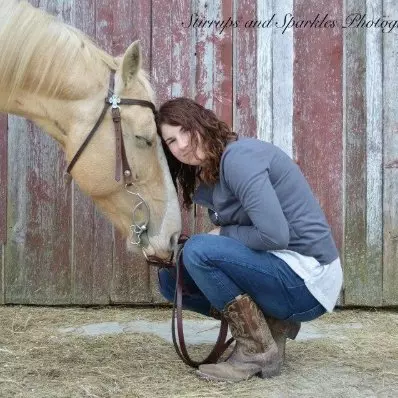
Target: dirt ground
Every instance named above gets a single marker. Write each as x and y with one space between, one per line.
344 354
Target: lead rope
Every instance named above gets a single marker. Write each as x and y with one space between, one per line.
178 334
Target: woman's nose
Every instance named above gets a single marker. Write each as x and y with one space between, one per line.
183 143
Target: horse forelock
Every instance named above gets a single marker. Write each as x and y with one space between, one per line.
32 40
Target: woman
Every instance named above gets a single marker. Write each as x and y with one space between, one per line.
271 262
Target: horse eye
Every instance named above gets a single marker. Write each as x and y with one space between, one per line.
147 141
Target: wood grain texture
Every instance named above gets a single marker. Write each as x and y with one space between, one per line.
37 252
92 233
362 278
3 177
275 76
2 269
130 274
265 70
390 121
205 72
245 61
3 198
282 81
318 108
374 155
173 66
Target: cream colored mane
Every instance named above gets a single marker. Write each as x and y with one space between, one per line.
42 43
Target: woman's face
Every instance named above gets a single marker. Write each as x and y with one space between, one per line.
180 145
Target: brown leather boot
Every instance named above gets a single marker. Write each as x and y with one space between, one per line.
255 352
280 331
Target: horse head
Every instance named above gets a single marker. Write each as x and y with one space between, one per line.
54 75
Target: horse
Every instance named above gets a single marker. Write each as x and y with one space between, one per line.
55 76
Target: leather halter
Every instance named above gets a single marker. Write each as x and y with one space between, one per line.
179 345
123 167
122 164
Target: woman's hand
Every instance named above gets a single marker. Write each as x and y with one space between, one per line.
215 231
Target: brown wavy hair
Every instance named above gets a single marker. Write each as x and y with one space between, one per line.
214 133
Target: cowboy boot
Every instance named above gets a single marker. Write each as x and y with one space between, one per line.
255 350
280 331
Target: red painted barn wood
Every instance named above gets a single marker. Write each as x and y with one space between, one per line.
318 107
92 234
38 255
172 72
62 250
214 73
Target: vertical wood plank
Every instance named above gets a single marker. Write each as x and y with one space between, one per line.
318 111
92 233
223 66
374 154
162 48
3 198
275 76
245 58
182 78
3 177
214 73
390 203
162 68
130 281
2 269
355 275
38 254
265 86
205 79
39 241
282 81
362 274
173 66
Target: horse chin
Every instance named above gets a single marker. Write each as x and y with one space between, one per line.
146 248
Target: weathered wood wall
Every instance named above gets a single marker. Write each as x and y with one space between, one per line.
388 158
326 96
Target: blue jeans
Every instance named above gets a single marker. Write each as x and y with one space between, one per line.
218 268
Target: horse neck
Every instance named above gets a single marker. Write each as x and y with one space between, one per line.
57 115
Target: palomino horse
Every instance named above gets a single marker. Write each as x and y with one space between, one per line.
53 75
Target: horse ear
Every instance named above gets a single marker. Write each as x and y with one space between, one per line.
132 61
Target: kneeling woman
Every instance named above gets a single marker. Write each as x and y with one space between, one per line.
271 262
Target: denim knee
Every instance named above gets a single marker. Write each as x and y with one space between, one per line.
194 249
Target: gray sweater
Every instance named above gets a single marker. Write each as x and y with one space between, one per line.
263 200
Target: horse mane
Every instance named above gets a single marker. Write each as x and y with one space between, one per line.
37 51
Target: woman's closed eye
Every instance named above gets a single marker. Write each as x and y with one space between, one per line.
170 141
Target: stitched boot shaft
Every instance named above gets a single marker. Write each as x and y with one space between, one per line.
280 331
255 350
